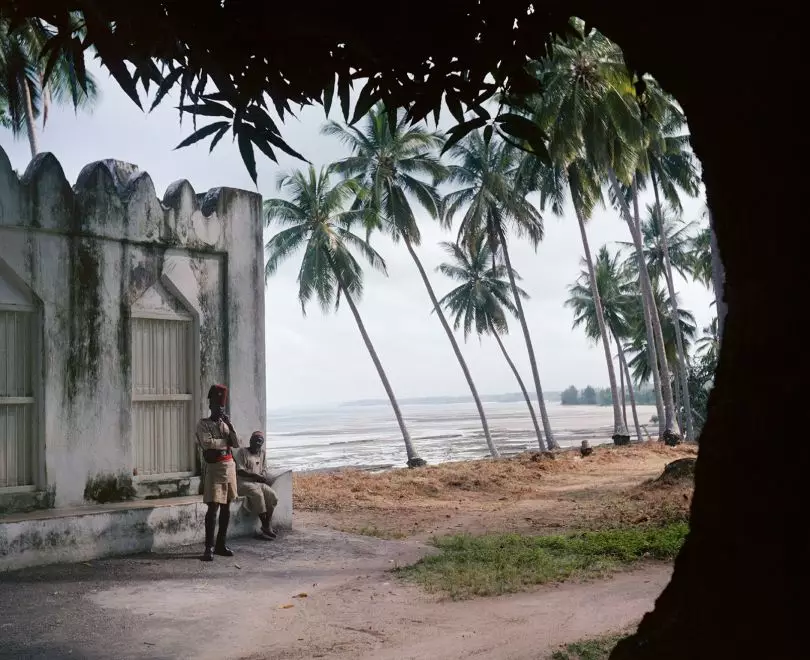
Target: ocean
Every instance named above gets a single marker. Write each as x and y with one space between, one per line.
367 436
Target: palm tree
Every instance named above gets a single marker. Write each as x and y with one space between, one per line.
316 221
494 201
701 257
709 343
25 94
389 161
615 288
672 168
589 107
639 364
482 300
580 179
680 244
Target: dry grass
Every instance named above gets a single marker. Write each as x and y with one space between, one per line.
530 493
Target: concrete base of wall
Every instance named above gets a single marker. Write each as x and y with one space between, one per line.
84 533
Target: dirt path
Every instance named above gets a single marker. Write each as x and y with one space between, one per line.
173 606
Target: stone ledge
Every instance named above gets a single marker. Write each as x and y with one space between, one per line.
89 532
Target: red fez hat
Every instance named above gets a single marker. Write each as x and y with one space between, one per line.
218 394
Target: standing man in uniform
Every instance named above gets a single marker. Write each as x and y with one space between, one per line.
253 483
216 438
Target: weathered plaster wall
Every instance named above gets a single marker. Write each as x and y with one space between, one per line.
86 254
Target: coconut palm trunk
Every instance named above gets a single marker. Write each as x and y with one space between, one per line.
522 385
620 434
664 413
413 459
30 122
655 319
683 373
493 450
550 441
624 398
631 393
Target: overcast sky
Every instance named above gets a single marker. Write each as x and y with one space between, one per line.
321 359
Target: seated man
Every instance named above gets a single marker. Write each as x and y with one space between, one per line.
253 483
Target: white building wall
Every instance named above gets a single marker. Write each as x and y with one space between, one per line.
85 255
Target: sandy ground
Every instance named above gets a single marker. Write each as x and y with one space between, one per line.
322 593
532 493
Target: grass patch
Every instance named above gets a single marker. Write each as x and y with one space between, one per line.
376 532
469 566
588 649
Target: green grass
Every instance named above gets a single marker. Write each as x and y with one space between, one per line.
588 649
374 531
468 566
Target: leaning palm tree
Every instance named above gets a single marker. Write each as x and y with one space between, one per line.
493 202
639 363
26 94
615 288
578 178
482 300
589 108
317 223
679 241
671 164
391 163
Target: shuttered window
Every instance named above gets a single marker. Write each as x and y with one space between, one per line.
17 401
162 395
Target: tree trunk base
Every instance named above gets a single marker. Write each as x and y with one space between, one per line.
416 462
671 439
620 439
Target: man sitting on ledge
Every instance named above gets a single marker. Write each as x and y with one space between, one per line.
253 483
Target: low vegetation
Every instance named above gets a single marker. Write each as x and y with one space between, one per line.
488 565
598 648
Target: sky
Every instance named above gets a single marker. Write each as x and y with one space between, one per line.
320 359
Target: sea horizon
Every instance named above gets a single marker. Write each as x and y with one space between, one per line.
367 436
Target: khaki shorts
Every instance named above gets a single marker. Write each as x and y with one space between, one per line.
219 484
260 497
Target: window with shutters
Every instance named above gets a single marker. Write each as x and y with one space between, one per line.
18 449
162 390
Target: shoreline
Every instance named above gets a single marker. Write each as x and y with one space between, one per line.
369 438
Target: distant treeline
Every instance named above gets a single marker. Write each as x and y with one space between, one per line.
590 396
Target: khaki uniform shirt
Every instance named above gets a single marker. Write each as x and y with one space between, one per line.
253 463
214 435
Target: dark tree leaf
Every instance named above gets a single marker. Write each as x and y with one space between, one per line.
454 105
344 87
219 135
488 133
460 130
207 109
246 149
328 95
259 140
276 140
526 130
77 63
167 83
119 71
481 111
55 49
369 95
205 131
